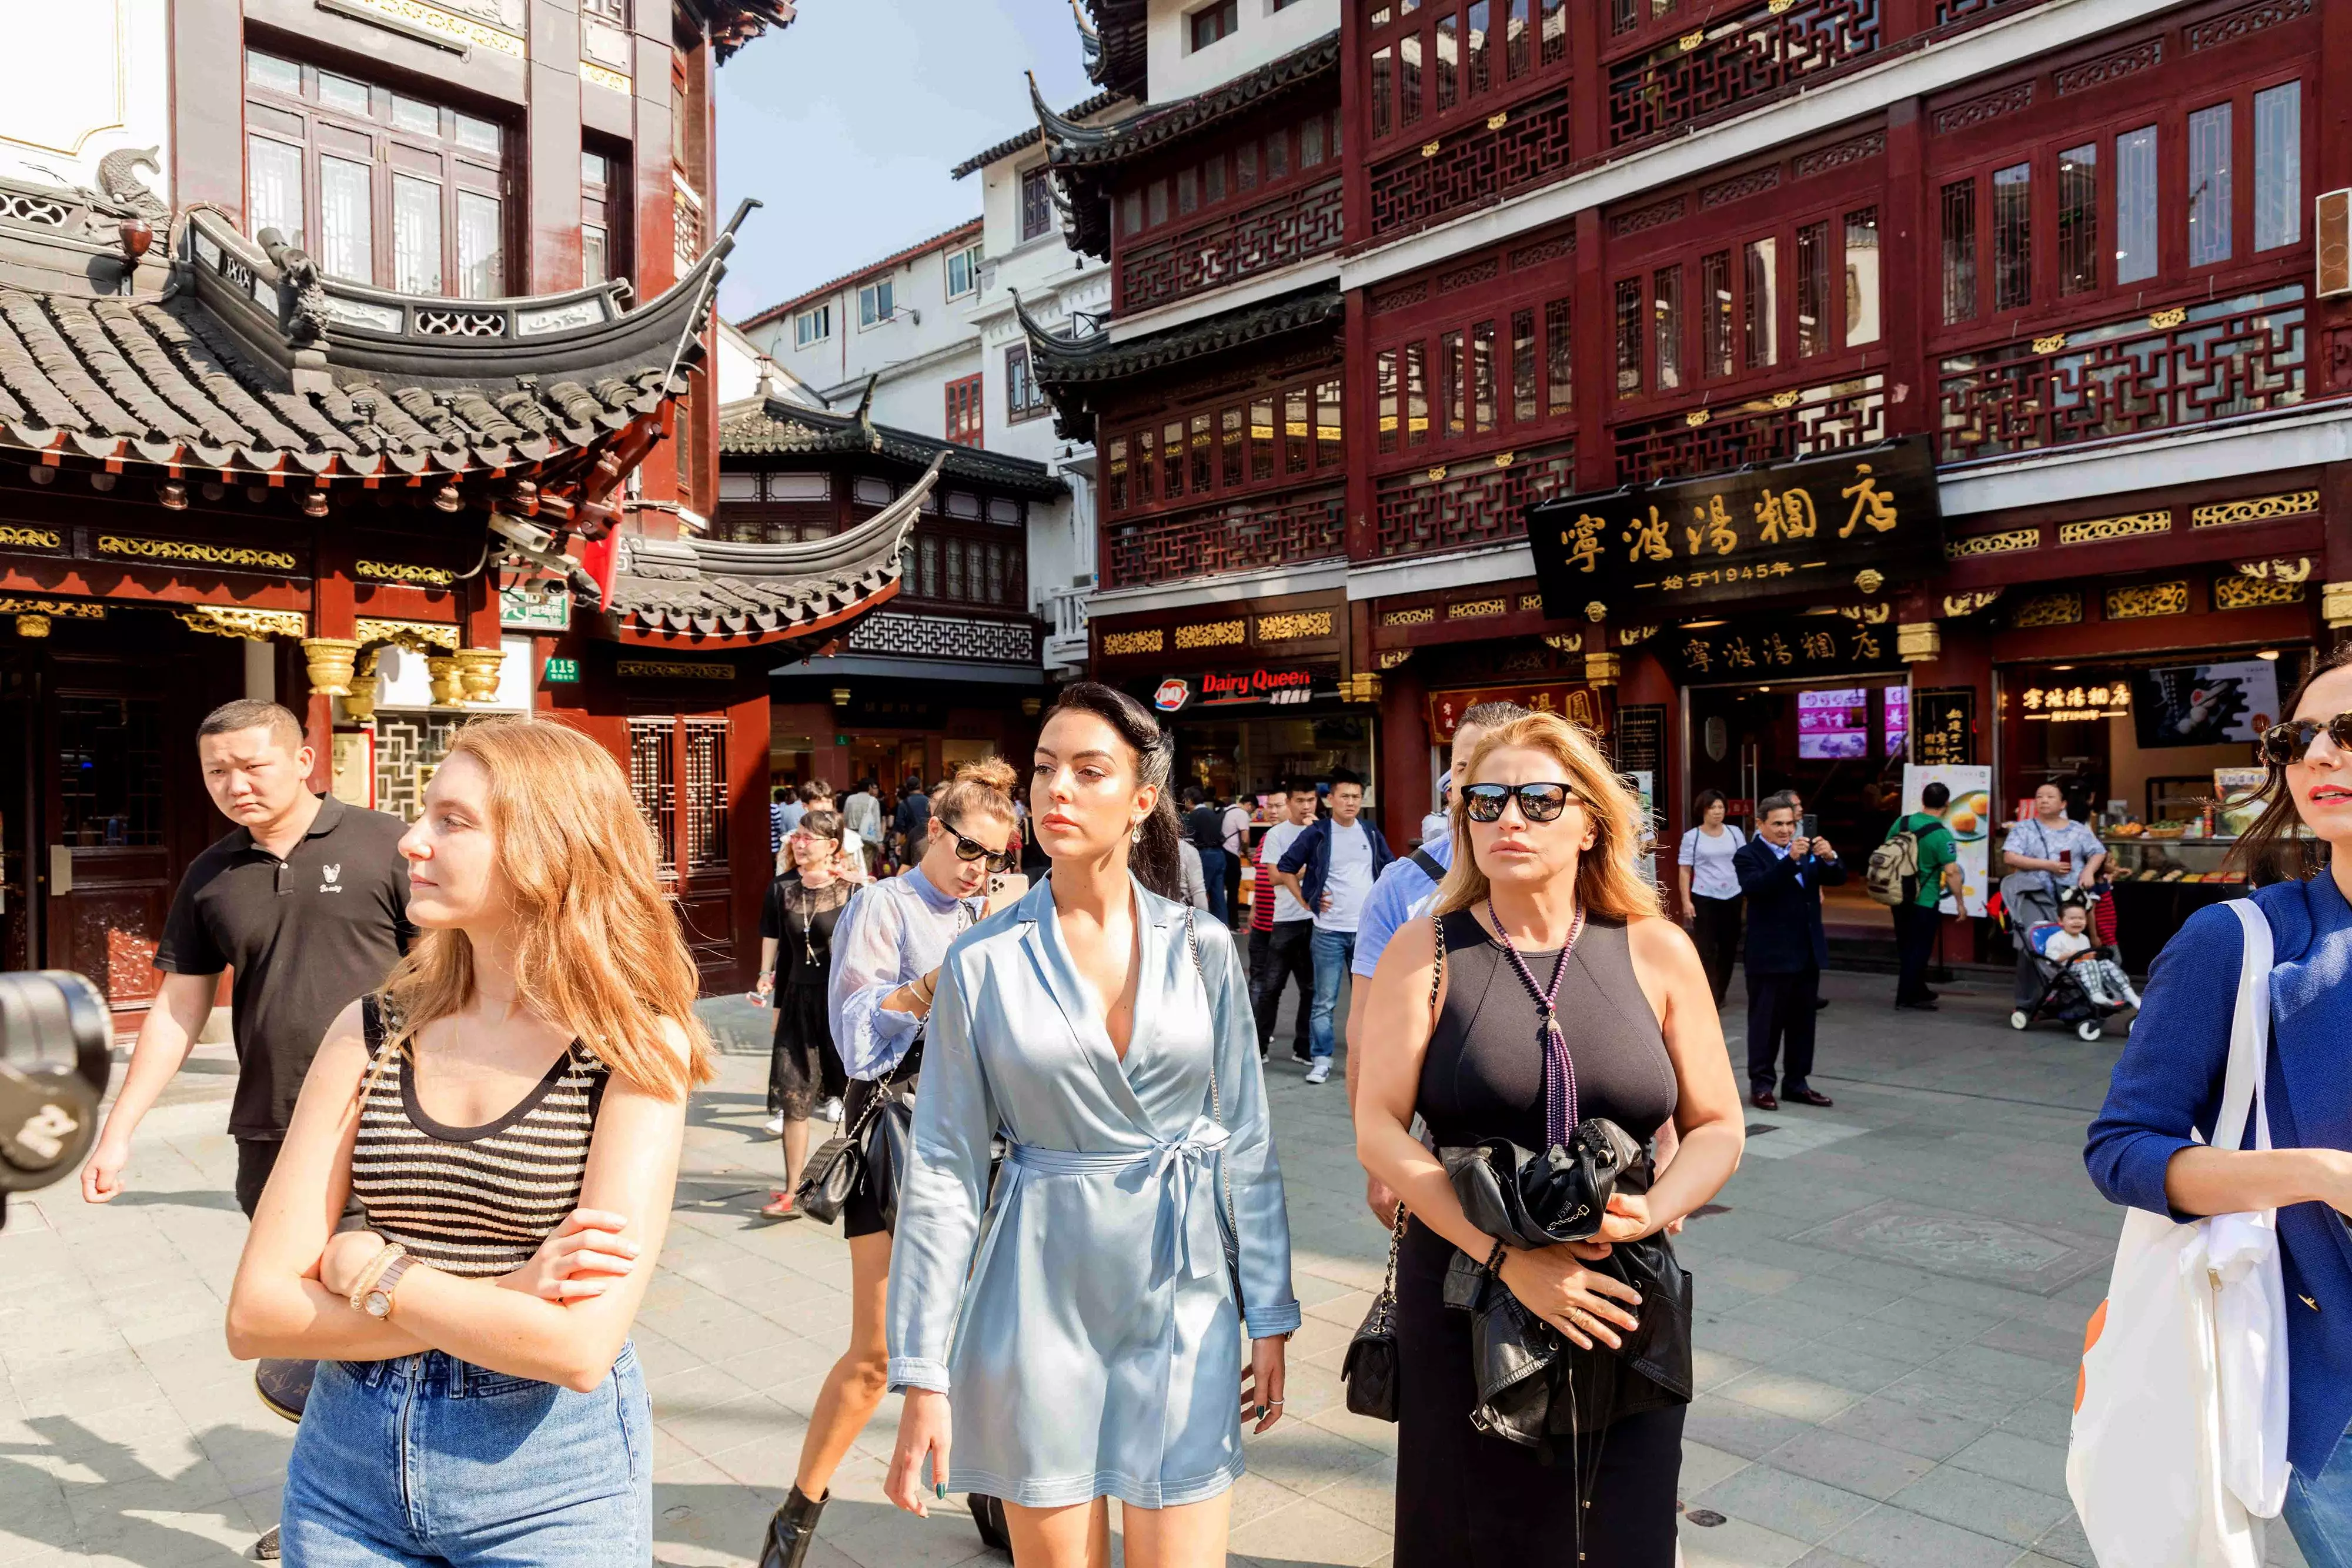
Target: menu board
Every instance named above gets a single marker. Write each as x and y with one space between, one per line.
1642 739
1834 723
1945 726
1898 721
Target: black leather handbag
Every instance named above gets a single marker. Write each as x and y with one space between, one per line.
871 1155
1370 1370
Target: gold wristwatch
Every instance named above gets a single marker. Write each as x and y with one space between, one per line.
377 1301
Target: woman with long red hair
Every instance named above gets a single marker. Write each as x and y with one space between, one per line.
508 1112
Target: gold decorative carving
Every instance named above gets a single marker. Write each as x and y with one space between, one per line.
459 30
2146 600
2278 569
1786 399
1565 642
1970 602
2336 604
1530 602
1424 616
2051 344
607 77
328 662
13 537
1697 417
238 621
2166 320
1868 614
1919 641
1634 636
359 703
2247 594
1692 39
195 554
2098 531
1478 609
1436 475
674 670
1392 657
1363 687
2008 543
403 571
2254 509
1117 644
1429 149
416 636
1212 635
1778 7
1290 627
2047 610
1499 118
32 625
1505 459
477 673
1596 610
1869 579
448 690
1601 669
72 609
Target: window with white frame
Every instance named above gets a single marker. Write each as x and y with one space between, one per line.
1023 398
813 325
874 303
964 272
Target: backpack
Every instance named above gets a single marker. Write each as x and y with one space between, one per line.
1892 877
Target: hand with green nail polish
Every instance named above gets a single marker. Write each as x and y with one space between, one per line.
924 1427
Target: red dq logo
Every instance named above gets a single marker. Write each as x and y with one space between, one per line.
1173 694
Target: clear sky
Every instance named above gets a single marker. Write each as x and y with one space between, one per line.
847 122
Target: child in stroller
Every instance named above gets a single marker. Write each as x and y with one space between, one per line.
2082 984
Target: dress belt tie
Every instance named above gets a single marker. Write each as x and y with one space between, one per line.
1194 1248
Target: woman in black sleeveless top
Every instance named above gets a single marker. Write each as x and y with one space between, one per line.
1546 901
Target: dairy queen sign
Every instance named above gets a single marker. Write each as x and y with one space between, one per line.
1254 687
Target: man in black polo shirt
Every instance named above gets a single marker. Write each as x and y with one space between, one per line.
306 900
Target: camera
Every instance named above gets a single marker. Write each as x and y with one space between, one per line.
55 1055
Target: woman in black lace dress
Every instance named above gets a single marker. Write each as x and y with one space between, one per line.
1545 917
795 963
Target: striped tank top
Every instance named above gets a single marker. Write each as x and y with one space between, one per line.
473 1201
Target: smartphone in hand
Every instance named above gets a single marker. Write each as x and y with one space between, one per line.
1811 826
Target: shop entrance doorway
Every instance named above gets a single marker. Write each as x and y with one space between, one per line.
1840 743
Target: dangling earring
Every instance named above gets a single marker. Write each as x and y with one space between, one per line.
1135 834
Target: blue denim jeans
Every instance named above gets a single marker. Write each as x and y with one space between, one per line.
2319 1510
1334 952
1213 875
428 1460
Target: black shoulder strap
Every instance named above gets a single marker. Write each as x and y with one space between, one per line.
1428 864
372 1023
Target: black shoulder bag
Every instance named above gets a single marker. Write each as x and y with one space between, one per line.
870 1155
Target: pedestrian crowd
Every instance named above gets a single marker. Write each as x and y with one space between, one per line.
467 1047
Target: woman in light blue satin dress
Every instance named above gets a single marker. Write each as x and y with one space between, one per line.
1084 1331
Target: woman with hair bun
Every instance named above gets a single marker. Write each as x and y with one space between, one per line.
1108 1031
508 1112
886 971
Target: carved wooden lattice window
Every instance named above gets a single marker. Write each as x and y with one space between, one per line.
653 782
1284 527
705 792
1482 57
1736 60
109 771
1505 369
1235 444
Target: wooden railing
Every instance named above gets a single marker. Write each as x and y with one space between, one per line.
1267 238
1282 528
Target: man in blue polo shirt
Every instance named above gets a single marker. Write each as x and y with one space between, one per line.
1403 893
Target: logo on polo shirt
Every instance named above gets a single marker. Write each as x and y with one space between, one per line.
330 872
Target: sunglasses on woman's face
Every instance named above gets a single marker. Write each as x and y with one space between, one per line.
2288 742
999 860
1538 803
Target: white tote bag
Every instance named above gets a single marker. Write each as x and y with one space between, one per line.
2179 1440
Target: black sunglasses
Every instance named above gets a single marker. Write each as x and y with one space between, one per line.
966 848
2288 742
1538 803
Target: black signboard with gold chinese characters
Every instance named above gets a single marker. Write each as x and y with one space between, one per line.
1777 648
1853 523
1945 726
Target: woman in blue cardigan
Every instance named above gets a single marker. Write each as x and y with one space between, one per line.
2170 1080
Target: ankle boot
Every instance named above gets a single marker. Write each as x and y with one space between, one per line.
792 1530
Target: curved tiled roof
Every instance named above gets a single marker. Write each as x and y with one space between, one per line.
735 23
1068 369
714 589
1035 134
1112 34
766 427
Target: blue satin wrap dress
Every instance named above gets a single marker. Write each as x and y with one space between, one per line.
1085 1327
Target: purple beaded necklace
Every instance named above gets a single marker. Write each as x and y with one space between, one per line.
1560 1072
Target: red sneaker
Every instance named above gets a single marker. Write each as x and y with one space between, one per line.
780 1207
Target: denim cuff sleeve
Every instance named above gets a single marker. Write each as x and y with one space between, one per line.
1264 1322
907 1372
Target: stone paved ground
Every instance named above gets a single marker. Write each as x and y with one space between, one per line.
1889 1316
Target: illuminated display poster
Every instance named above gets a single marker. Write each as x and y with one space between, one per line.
1833 724
1898 720
1862 519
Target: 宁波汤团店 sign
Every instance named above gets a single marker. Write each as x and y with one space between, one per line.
1857 521
1244 686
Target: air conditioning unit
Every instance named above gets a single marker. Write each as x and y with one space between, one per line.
2334 234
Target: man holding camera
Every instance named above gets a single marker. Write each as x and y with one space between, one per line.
1783 873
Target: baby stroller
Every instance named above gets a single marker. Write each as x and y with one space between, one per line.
2063 995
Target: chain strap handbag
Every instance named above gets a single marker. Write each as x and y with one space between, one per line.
1370 1370
863 1154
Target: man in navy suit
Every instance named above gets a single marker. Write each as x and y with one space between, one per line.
1783 874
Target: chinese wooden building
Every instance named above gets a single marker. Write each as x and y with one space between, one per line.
382 395
2067 263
